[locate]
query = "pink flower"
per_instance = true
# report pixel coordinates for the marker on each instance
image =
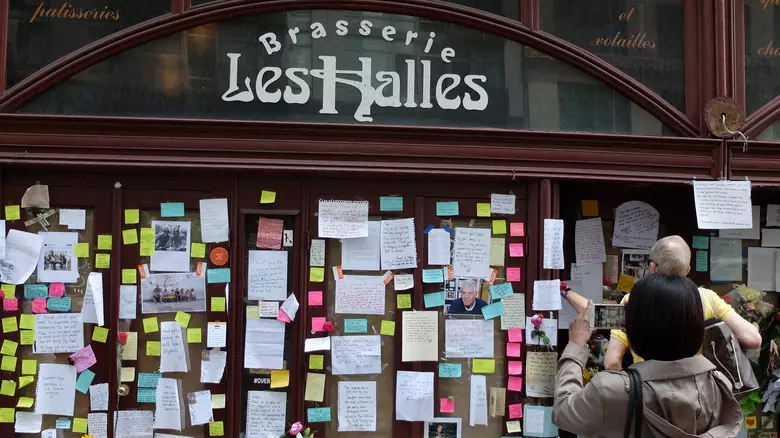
(751, 308)
(536, 320)
(296, 428)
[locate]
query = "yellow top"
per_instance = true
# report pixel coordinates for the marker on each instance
(722, 309)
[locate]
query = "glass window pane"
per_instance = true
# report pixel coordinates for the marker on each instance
(432, 73)
(643, 38)
(762, 53)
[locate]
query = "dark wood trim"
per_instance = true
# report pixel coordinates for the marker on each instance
(762, 118)
(579, 58)
(723, 52)
(529, 14)
(738, 38)
(177, 6)
(760, 163)
(696, 83)
(112, 316)
(5, 19)
(235, 349)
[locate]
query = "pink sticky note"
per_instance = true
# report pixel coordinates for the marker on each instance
(11, 305)
(317, 324)
(56, 290)
(315, 297)
(513, 349)
(515, 384)
(517, 229)
(84, 358)
(515, 250)
(446, 405)
(515, 367)
(512, 274)
(281, 316)
(515, 335)
(39, 305)
(516, 411)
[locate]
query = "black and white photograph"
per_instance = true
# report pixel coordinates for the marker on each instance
(635, 262)
(464, 296)
(442, 428)
(171, 246)
(166, 293)
(57, 261)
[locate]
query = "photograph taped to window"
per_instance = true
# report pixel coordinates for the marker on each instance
(463, 296)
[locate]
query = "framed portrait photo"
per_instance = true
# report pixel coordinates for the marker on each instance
(442, 428)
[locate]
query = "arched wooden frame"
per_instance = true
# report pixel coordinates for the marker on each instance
(578, 58)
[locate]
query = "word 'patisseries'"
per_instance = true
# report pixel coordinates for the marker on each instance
(69, 11)
(387, 93)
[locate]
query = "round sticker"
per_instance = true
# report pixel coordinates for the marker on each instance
(219, 256)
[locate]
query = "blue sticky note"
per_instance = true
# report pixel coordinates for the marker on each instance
(447, 208)
(221, 275)
(32, 291)
(172, 209)
(548, 429)
(63, 423)
(58, 304)
(433, 276)
(391, 203)
(701, 242)
(435, 299)
(702, 259)
(501, 290)
(319, 415)
(148, 380)
(493, 310)
(449, 370)
(356, 325)
(84, 380)
(147, 395)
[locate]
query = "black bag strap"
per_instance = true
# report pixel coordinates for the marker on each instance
(635, 405)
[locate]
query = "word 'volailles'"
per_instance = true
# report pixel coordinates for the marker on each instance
(70, 12)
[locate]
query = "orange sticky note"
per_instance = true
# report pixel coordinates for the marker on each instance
(590, 208)
(447, 405)
(625, 283)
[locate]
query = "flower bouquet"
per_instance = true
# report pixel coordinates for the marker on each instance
(537, 333)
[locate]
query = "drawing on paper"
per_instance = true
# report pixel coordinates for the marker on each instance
(164, 293)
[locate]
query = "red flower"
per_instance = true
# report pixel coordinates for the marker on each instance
(328, 326)
(564, 286)
(727, 298)
(777, 317)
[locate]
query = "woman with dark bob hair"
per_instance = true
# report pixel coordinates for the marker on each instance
(683, 394)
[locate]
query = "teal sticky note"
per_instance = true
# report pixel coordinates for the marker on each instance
(433, 276)
(221, 275)
(356, 325)
(435, 299)
(58, 304)
(502, 290)
(702, 259)
(319, 415)
(391, 203)
(32, 291)
(148, 380)
(449, 370)
(701, 242)
(172, 209)
(84, 380)
(147, 395)
(493, 310)
(63, 423)
(447, 208)
(534, 413)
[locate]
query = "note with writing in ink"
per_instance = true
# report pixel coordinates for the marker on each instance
(537, 421)
(55, 393)
(589, 241)
(469, 338)
(360, 295)
(83, 358)
(483, 209)
(58, 333)
(723, 204)
(317, 253)
(553, 244)
(702, 259)
(636, 226)
(540, 373)
(449, 370)
(342, 219)
(98, 397)
(399, 250)
(391, 203)
(514, 312)
(268, 275)
(478, 406)
(214, 225)
(420, 340)
(414, 396)
(403, 281)
(433, 276)
(318, 415)
(498, 291)
(471, 252)
(357, 406)
(513, 274)
(315, 387)
(352, 325)
(547, 295)
(173, 357)
(356, 355)
(502, 204)
(447, 208)
(266, 413)
(362, 253)
(438, 247)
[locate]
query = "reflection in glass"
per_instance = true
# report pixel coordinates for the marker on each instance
(762, 53)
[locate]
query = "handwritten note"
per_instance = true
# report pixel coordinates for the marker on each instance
(502, 204)
(360, 295)
(342, 219)
(514, 312)
(414, 396)
(469, 338)
(438, 247)
(173, 357)
(419, 337)
(56, 390)
(636, 226)
(266, 413)
(399, 250)
(264, 344)
(540, 373)
(315, 387)
(753, 233)
(725, 259)
(214, 220)
(547, 295)
(723, 204)
(478, 407)
(553, 244)
(447, 208)
(362, 253)
(356, 355)
(471, 252)
(98, 397)
(537, 421)
(317, 253)
(357, 406)
(58, 333)
(589, 241)
(267, 275)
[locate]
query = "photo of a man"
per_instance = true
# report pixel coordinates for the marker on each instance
(469, 302)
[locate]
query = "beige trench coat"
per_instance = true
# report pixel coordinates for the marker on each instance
(685, 398)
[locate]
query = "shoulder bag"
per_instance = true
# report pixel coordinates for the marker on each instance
(635, 404)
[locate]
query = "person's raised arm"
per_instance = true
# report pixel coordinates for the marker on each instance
(613, 360)
(747, 334)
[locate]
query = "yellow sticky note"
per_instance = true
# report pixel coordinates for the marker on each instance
(7, 415)
(9, 347)
(218, 401)
(483, 209)
(132, 216)
(79, 425)
(252, 312)
(9, 324)
(217, 304)
(82, 250)
(153, 348)
(25, 380)
(102, 261)
(625, 283)
(590, 208)
(150, 325)
(105, 241)
(27, 337)
(147, 235)
(12, 213)
(8, 364)
(130, 237)
(499, 226)
(29, 367)
(183, 318)
(130, 349)
(127, 374)
(25, 402)
(9, 290)
(267, 197)
(217, 428)
(484, 366)
(8, 387)
(129, 276)
(147, 249)
(194, 336)
(316, 362)
(198, 251)
(100, 334)
(280, 378)
(387, 328)
(27, 321)
(404, 301)
(317, 275)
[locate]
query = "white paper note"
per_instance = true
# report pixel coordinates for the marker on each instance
(56, 389)
(266, 414)
(770, 238)
(212, 366)
(50, 433)
(269, 309)
(403, 282)
(128, 294)
(316, 344)
(773, 215)
(589, 241)
(725, 259)
(502, 204)
(753, 233)
(468, 338)
(360, 295)
(290, 307)
(540, 371)
(199, 403)
(636, 226)
(356, 354)
(357, 406)
(98, 397)
(399, 250)
(587, 280)
(317, 253)
(58, 333)
(173, 357)
(471, 253)
(547, 295)
(439, 247)
(134, 424)
(216, 335)
(361, 253)
(2, 239)
(420, 336)
(74, 219)
(549, 327)
(168, 406)
(28, 422)
(514, 312)
(214, 227)
(92, 308)
(722, 204)
(413, 396)
(21, 256)
(267, 275)
(171, 246)
(97, 424)
(478, 412)
(264, 344)
(553, 244)
(342, 219)
(762, 268)
(57, 262)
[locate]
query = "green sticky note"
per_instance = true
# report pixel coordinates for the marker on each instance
(435, 299)
(9, 347)
(9, 290)
(82, 250)
(198, 250)
(404, 301)
(8, 387)
(12, 213)
(132, 216)
(147, 235)
(29, 367)
(267, 197)
(153, 348)
(702, 259)
(447, 208)
(129, 276)
(183, 319)
(27, 322)
(483, 366)
(171, 209)
(79, 425)
(194, 336)
(499, 226)
(316, 362)
(217, 428)
(701, 242)
(25, 380)
(217, 304)
(130, 237)
(150, 325)
(146, 249)
(483, 209)
(391, 203)
(25, 402)
(100, 334)
(7, 415)
(8, 364)
(9, 324)
(105, 241)
(27, 337)
(387, 328)
(317, 275)
(102, 261)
